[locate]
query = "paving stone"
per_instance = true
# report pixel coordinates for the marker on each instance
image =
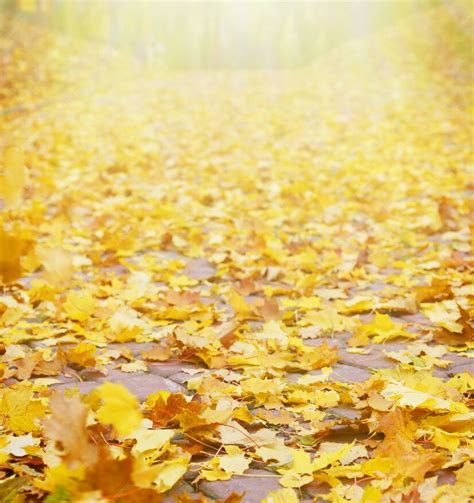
(445, 477)
(139, 384)
(170, 367)
(165, 254)
(389, 346)
(117, 269)
(199, 269)
(314, 491)
(451, 369)
(345, 411)
(83, 387)
(209, 300)
(389, 271)
(441, 373)
(255, 324)
(348, 373)
(375, 359)
(457, 359)
(180, 488)
(419, 318)
(294, 376)
(467, 366)
(255, 488)
(135, 347)
(339, 340)
(376, 286)
(365, 318)
(181, 377)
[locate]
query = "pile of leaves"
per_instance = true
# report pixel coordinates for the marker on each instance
(250, 276)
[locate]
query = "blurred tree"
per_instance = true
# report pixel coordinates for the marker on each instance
(231, 34)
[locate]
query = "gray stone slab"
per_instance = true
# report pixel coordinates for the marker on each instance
(348, 373)
(139, 384)
(200, 269)
(168, 368)
(255, 488)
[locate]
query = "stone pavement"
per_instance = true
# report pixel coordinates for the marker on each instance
(256, 483)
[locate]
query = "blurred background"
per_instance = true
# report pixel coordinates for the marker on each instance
(222, 34)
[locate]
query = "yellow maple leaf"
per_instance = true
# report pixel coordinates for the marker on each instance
(303, 303)
(212, 471)
(465, 479)
(326, 320)
(19, 411)
(136, 366)
(273, 332)
(152, 440)
(445, 440)
(382, 328)
(14, 177)
(125, 325)
(371, 494)
(238, 304)
(79, 305)
(328, 458)
(61, 475)
(18, 445)
(57, 263)
(358, 304)
(445, 314)
(119, 408)
(286, 495)
(83, 354)
(12, 250)
(413, 398)
(181, 281)
(169, 472)
(235, 461)
(299, 472)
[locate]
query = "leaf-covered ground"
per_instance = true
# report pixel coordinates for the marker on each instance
(246, 286)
